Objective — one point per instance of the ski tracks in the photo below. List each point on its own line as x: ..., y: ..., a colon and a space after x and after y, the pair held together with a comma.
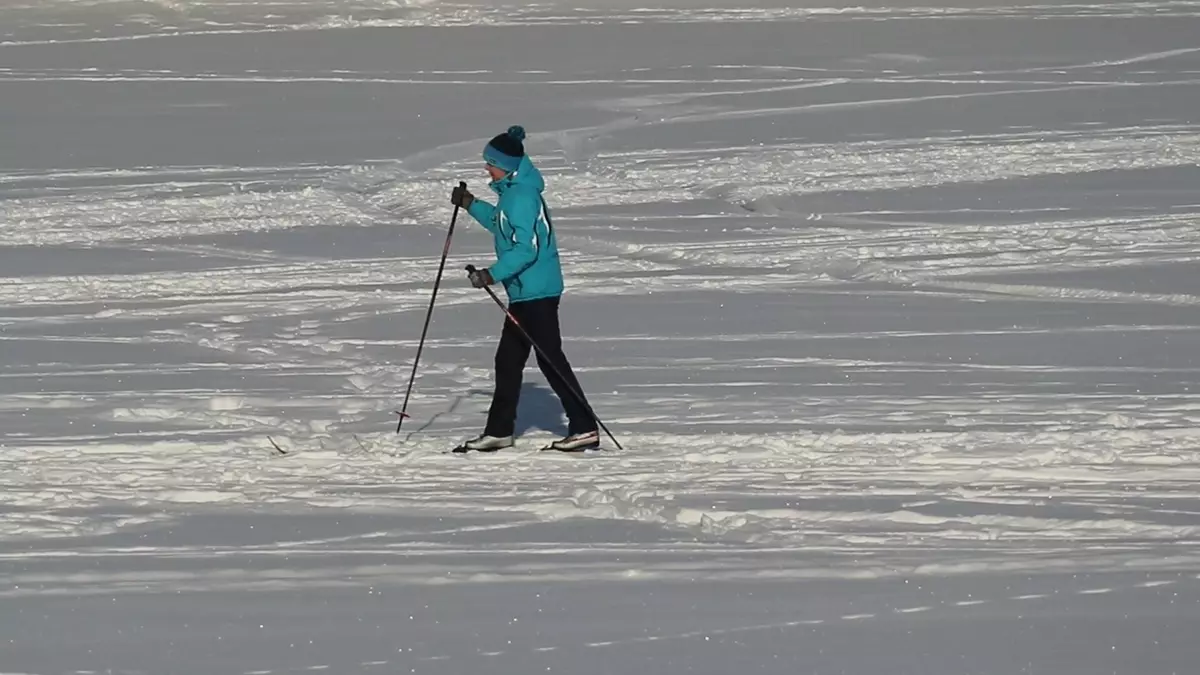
x: 943, y: 610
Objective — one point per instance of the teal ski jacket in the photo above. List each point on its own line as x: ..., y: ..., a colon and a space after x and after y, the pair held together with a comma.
x: 526, y: 251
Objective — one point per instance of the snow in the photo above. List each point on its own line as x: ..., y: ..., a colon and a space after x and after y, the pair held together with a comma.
x: 893, y: 308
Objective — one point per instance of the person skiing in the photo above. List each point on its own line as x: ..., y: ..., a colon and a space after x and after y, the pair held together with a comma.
x: 527, y: 265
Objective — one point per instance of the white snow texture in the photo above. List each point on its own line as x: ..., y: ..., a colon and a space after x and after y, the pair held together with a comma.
x: 894, y: 309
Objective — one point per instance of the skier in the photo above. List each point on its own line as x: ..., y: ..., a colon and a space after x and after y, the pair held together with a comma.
x: 528, y: 267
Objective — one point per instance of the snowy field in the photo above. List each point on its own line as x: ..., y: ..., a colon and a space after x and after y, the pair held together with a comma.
x: 895, y: 309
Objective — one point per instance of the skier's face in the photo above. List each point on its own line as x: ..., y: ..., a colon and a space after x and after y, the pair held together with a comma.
x: 495, y: 172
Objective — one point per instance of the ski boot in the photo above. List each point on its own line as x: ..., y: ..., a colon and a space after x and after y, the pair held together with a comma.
x: 589, y: 440
x: 485, y: 443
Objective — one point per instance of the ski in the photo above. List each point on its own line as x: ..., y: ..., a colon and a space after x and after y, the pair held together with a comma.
x: 277, y: 449
x: 546, y: 451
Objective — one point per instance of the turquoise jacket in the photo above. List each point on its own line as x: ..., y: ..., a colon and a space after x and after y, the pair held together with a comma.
x: 526, y: 251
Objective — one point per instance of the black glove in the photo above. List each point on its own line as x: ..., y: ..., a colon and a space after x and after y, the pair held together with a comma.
x: 480, y: 278
x: 460, y: 196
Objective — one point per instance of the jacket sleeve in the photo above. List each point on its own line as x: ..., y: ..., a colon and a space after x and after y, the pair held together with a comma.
x: 521, y: 216
x: 482, y: 212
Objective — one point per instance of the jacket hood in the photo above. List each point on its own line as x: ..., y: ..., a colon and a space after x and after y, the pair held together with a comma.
x: 526, y: 174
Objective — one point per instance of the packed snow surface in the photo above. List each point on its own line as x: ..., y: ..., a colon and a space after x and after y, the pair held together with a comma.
x: 894, y: 309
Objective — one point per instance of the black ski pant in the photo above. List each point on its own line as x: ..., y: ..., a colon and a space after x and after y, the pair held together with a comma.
x: 540, y: 320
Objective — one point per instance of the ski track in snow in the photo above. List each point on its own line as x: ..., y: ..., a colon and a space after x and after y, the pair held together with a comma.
x: 943, y: 606
x: 166, y: 20
x: 734, y: 630
x: 874, y: 316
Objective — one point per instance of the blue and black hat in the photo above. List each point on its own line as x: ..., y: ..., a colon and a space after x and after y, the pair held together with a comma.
x: 506, y: 150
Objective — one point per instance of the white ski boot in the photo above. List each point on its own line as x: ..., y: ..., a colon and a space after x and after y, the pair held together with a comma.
x: 485, y: 443
x: 577, y: 442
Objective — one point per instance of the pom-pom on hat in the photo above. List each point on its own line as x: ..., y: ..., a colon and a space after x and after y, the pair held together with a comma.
x: 506, y: 150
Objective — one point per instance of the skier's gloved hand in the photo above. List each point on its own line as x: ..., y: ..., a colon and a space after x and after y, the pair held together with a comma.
x: 480, y: 278
x: 461, y: 196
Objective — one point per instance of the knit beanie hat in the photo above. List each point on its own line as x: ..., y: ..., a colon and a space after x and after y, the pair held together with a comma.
x: 506, y: 150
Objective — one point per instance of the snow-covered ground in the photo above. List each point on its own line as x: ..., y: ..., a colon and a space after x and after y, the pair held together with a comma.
x: 895, y: 309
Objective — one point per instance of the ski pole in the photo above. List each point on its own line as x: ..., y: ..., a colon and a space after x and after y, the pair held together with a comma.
x: 578, y: 396
x: 403, y: 412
